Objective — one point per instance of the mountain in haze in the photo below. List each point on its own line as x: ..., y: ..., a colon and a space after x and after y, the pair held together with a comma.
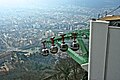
x: 54, y: 3
x: 83, y: 3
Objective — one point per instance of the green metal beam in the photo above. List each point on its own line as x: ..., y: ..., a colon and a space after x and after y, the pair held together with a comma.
x: 79, y: 59
x: 82, y: 46
x: 68, y: 35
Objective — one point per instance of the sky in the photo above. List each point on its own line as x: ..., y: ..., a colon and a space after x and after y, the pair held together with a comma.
x: 14, y: 3
x: 41, y: 3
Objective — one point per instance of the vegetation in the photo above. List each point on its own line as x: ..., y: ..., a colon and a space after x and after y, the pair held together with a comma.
x: 38, y: 68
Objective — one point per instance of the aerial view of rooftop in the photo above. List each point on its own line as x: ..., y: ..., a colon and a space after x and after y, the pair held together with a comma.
x: 59, y: 39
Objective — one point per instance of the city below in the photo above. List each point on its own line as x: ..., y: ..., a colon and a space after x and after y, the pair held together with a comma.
x: 21, y: 32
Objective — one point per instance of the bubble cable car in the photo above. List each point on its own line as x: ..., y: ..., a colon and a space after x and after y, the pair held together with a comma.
x: 45, y: 51
x: 63, y: 46
x: 74, y: 45
x: 53, y: 48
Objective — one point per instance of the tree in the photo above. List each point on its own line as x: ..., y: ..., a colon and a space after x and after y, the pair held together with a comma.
x: 67, y: 69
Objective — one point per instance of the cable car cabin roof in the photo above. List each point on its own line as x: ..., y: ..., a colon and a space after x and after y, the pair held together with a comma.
x: 111, y: 18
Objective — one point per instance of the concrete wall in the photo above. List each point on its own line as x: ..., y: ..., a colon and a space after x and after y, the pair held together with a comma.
x: 104, y: 51
x: 97, y: 49
x: 112, y: 69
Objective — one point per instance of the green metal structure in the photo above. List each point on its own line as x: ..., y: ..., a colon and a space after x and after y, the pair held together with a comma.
x: 81, y: 36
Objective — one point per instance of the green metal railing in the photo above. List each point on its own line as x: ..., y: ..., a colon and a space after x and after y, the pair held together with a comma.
x: 81, y: 59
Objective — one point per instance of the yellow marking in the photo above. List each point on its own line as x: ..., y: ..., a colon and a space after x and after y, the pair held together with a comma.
x: 110, y: 18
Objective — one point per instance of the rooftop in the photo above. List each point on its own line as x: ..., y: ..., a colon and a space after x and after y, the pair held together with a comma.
x: 111, y: 18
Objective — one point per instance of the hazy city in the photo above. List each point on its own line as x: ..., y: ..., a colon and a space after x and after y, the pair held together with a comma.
x: 21, y: 32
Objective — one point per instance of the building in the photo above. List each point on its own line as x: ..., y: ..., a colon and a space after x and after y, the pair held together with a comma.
x: 104, y: 46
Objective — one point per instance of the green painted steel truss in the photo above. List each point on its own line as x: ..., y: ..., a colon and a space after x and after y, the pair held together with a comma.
x: 81, y: 36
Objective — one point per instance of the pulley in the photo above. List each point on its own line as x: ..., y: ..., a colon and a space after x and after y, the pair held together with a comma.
x: 84, y: 35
